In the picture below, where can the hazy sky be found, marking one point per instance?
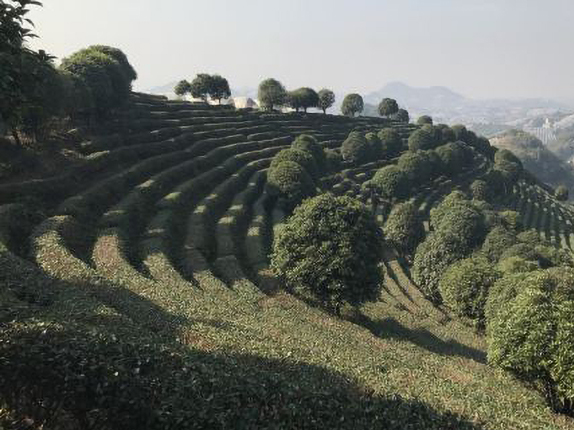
(481, 48)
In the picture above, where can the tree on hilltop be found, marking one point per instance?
(424, 120)
(271, 94)
(182, 88)
(402, 115)
(388, 107)
(200, 86)
(326, 99)
(303, 98)
(352, 104)
(218, 88)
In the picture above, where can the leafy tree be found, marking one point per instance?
(512, 265)
(496, 242)
(391, 183)
(122, 59)
(343, 249)
(303, 158)
(352, 104)
(561, 193)
(404, 228)
(375, 145)
(308, 143)
(17, 80)
(309, 99)
(421, 140)
(200, 86)
(464, 287)
(424, 120)
(219, 88)
(182, 88)
(102, 75)
(355, 148)
(271, 94)
(417, 166)
(290, 183)
(326, 99)
(391, 141)
(455, 156)
(432, 258)
(531, 334)
(403, 116)
(388, 107)
(444, 134)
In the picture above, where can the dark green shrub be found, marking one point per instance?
(421, 140)
(511, 220)
(465, 284)
(391, 183)
(375, 146)
(391, 142)
(432, 258)
(122, 59)
(417, 166)
(303, 158)
(404, 228)
(355, 148)
(532, 334)
(455, 156)
(444, 134)
(290, 184)
(402, 116)
(307, 143)
(497, 242)
(530, 237)
(342, 250)
(388, 107)
(454, 198)
(271, 94)
(522, 250)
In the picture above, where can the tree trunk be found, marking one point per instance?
(16, 137)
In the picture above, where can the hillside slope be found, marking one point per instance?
(537, 158)
(161, 238)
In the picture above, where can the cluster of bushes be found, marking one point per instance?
(295, 171)
(360, 148)
(272, 94)
(482, 264)
(203, 86)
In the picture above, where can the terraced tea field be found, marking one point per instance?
(166, 229)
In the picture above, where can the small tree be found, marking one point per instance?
(498, 240)
(417, 166)
(531, 334)
(271, 94)
(326, 99)
(303, 158)
(424, 120)
(309, 144)
(391, 141)
(391, 183)
(404, 228)
(200, 86)
(290, 183)
(355, 148)
(219, 88)
(561, 193)
(342, 250)
(464, 287)
(309, 98)
(403, 116)
(421, 140)
(182, 88)
(118, 55)
(352, 104)
(480, 190)
(388, 107)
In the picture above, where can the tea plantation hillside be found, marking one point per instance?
(136, 289)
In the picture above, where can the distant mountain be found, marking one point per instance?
(446, 105)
